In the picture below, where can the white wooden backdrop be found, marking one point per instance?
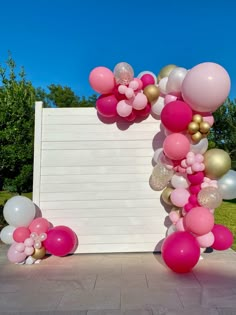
(94, 178)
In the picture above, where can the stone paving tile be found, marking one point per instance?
(46, 313)
(207, 297)
(141, 298)
(226, 311)
(163, 310)
(15, 272)
(97, 299)
(123, 281)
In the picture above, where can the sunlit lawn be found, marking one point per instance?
(225, 214)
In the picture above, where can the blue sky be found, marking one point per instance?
(61, 41)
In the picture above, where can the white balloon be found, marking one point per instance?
(172, 229)
(19, 211)
(158, 105)
(162, 85)
(179, 181)
(6, 234)
(157, 154)
(200, 147)
(227, 185)
(175, 80)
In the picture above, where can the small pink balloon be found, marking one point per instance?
(134, 85)
(20, 247)
(20, 234)
(39, 225)
(205, 240)
(102, 80)
(199, 220)
(140, 101)
(29, 242)
(174, 216)
(147, 79)
(29, 251)
(14, 256)
(170, 98)
(179, 197)
(140, 83)
(188, 207)
(193, 200)
(180, 225)
(223, 237)
(196, 178)
(194, 189)
(124, 108)
(176, 146)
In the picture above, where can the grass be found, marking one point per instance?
(225, 214)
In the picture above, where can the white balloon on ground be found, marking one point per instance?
(200, 147)
(179, 181)
(6, 234)
(158, 105)
(19, 211)
(227, 185)
(175, 80)
(162, 85)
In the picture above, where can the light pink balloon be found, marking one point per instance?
(174, 216)
(102, 80)
(140, 101)
(14, 256)
(20, 247)
(29, 251)
(206, 87)
(206, 240)
(124, 108)
(180, 225)
(170, 98)
(179, 197)
(140, 83)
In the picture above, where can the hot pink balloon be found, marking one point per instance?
(124, 108)
(206, 87)
(179, 197)
(39, 225)
(196, 178)
(106, 105)
(223, 237)
(199, 220)
(176, 116)
(131, 117)
(180, 251)
(14, 256)
(194, 189)
(102, 80)
(143, 112)
(176, 146)
(147, 79)
(20, 234)
(205, 240)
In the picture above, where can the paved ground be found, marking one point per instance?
(118, 284)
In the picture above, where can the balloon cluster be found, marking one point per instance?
(123, 95)
(194, 179)
(32, 237)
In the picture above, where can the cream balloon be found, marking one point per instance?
(179, 181)
(162, 85)
(175, 80)
(158, 105)
(199, 147)
(6, 234)
(227, 185)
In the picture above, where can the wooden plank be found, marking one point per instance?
(155, 246)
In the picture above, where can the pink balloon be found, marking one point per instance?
(176, 116)
(143, 112)
(170, 98)
(194, 189)
(20, 234)
(131, 117)
(196, 178)
(180, 225)
(124, 108)
(193, 200)
(180, 251)
(174, 216)
(14, 256)
(206, 87)
(39, 225)
(205, 240)
(140, 101)
(199, 220)
(179, 197)
(176, 146)
(106, 105)
(60, 241)
(102, 80)
(147, 79)
(223, 237)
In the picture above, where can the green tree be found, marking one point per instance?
(17, 97)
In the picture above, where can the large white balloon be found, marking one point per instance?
(6, 234)
(227, 185)
(200, 147)
(158, 105)
(179, 181)
(163, 85)
(175, 80)
(19, 211)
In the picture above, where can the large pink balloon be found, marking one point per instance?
(180, 251)
(39, 225)
(106, 105)
(21, 234)
(102, 80)
(176, 116)
(223, 237)
(176, 146)
(60, 241)
(14, 255)
(199, 220)
(206, 86)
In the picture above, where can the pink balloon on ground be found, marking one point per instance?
(170, 98)
(223, 237)
(176, 116)
(102, 80)
(20, 234)
(14, 256)
(206, 86)
(205, 240)
(147, 79)
(179, 197)
(39, 225)
(199, 220)
(176, 146)
(180, 251)
(106, 105)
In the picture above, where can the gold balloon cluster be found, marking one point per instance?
(152, 92)
(198, 129)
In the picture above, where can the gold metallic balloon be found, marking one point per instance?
(204, 127)
(197, 118)
(193, 127)
(152, 92)
(166, 195)
(197, 136)
(39, 253)
(166, 71)
(217, 163)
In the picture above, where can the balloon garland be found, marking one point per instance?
(193, 179)
(31, 237)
